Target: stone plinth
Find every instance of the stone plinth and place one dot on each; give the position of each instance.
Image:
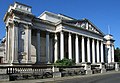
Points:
(87, 67)
(56, 72)
(117, 68)
(102, 67)
(4, 77)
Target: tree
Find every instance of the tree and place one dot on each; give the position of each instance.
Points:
(117, 54)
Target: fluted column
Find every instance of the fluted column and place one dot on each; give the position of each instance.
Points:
(88, 50)
(109, 54)
(15, 43)
(6, 46)
(76, 49)
(93, 51)
(56, 48)
(98, 54)
(102, 57)
(83, 50)
(61, 45)
(38, 47)
(28, 43)
(47, 48)
(70, 46)
(113, 60)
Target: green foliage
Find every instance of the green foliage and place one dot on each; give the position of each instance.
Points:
(64, 62)
(117, 55)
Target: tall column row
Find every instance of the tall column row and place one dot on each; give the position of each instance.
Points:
(90, 49)
(95, 51)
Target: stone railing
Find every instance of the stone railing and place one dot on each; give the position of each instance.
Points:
(69, 70)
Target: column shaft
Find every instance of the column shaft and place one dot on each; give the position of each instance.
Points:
(113, 60)
(6, 46)
(102, 57)
(61, 45)
(70, 46)
(15, 43)
(76, 49)
(28, 44)
(83, 50)
(98, 54)
(109, 54)
(51, 50)
(38, 47)
(88, 50)
(56, 48)
(93, 51)
(47, 48)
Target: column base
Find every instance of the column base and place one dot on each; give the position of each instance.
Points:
(103, 70)
(48, 63)
(88, 72)
(87, 67)
(15, 61)
(29, 61)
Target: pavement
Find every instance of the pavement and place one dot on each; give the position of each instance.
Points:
(60, 80)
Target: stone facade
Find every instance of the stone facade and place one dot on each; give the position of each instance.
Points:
(49, 37)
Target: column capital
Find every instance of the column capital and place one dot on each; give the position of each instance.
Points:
(83, 37)
(15, 23)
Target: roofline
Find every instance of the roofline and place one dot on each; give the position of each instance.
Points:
(22, 4)
(67, 16)
(47, 12)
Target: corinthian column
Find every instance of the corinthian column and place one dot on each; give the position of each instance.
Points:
(70, 46)
(38, 47)
(56, 48)
(15, 43)
(98, 55)
(76, 49)
(61, 45)
(28, 43)
(88, 50)
(93, 51)
(113, 60)
(102, 57)
(47, 48)
(83, 50)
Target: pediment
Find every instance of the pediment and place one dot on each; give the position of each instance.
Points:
(85, 24)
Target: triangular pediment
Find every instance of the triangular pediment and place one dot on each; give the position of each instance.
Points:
(85, 24)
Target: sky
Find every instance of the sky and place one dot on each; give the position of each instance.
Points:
(102, 13)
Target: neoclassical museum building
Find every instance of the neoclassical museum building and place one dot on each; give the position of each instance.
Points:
(51, 37)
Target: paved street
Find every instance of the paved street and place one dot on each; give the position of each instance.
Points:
(108, 78)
